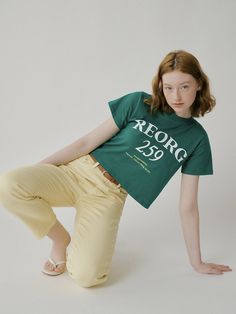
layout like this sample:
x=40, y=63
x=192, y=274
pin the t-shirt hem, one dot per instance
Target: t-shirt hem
x=133, y=195
x=198, y=174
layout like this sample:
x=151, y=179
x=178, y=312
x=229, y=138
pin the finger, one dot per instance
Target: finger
x=215, y=272
x=225, y=268
x=222, y=267
x=212, y=264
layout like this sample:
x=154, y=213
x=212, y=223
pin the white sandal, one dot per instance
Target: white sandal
x=55, y=264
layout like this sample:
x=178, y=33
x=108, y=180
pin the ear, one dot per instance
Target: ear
x=199, y=88
x=199, y=83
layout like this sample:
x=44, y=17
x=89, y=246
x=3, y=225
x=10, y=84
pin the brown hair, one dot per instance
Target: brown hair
x=185, y=62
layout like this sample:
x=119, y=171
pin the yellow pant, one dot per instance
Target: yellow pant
x=30, y=193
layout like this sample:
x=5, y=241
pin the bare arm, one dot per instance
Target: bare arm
x=85, y=144
x=189, y=214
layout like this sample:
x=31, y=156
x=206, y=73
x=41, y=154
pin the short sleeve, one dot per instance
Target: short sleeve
x=200, y=161
x=122, y=108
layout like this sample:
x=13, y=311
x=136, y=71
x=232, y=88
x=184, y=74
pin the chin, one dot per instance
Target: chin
x=182, y=112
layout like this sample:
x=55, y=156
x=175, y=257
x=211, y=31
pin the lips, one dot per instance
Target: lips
x=178, y=104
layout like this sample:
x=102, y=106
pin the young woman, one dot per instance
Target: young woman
x=135, y=151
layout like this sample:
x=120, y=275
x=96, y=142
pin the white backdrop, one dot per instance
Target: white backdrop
x=61, y=61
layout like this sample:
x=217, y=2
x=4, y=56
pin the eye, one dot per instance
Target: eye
x=185, y=86
x=167, y=87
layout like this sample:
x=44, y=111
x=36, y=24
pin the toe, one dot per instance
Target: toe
x=59, y=268
x=49, y=266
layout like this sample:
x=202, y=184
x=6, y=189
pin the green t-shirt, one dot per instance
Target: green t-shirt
x=149, y=149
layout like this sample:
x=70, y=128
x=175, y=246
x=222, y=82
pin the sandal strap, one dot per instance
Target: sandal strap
x=55, y=264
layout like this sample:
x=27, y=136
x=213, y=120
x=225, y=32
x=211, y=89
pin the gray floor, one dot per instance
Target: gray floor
x=150, y=271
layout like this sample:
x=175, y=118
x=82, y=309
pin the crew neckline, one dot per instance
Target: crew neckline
x=175, y=117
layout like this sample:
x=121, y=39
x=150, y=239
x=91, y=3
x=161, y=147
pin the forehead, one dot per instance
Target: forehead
x=176, y=77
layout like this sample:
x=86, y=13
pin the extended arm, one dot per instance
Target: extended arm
x=188, y=207
x=85, y=144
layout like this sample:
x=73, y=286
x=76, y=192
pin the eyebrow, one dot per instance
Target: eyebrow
x=179, y=84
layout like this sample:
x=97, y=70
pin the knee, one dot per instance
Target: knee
x=10, y=185
x=87, y=278
x=6, y=183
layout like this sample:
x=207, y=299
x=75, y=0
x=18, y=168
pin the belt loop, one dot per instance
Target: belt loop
x=96, y=164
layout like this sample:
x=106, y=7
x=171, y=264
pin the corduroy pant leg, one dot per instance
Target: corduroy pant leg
x=30, y=192
x=99, y=210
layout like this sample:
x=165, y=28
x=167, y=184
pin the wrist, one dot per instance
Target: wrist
x=196, y=264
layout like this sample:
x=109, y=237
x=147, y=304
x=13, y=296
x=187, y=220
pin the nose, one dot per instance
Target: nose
x=176, y=95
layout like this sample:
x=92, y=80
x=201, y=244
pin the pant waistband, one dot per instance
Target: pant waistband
x=104, y=172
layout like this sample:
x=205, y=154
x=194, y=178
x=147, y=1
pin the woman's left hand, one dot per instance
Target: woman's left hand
x=211, y=268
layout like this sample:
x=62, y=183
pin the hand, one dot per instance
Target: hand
x=210, y=268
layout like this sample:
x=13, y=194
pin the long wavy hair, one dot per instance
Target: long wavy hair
x=185, y=62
